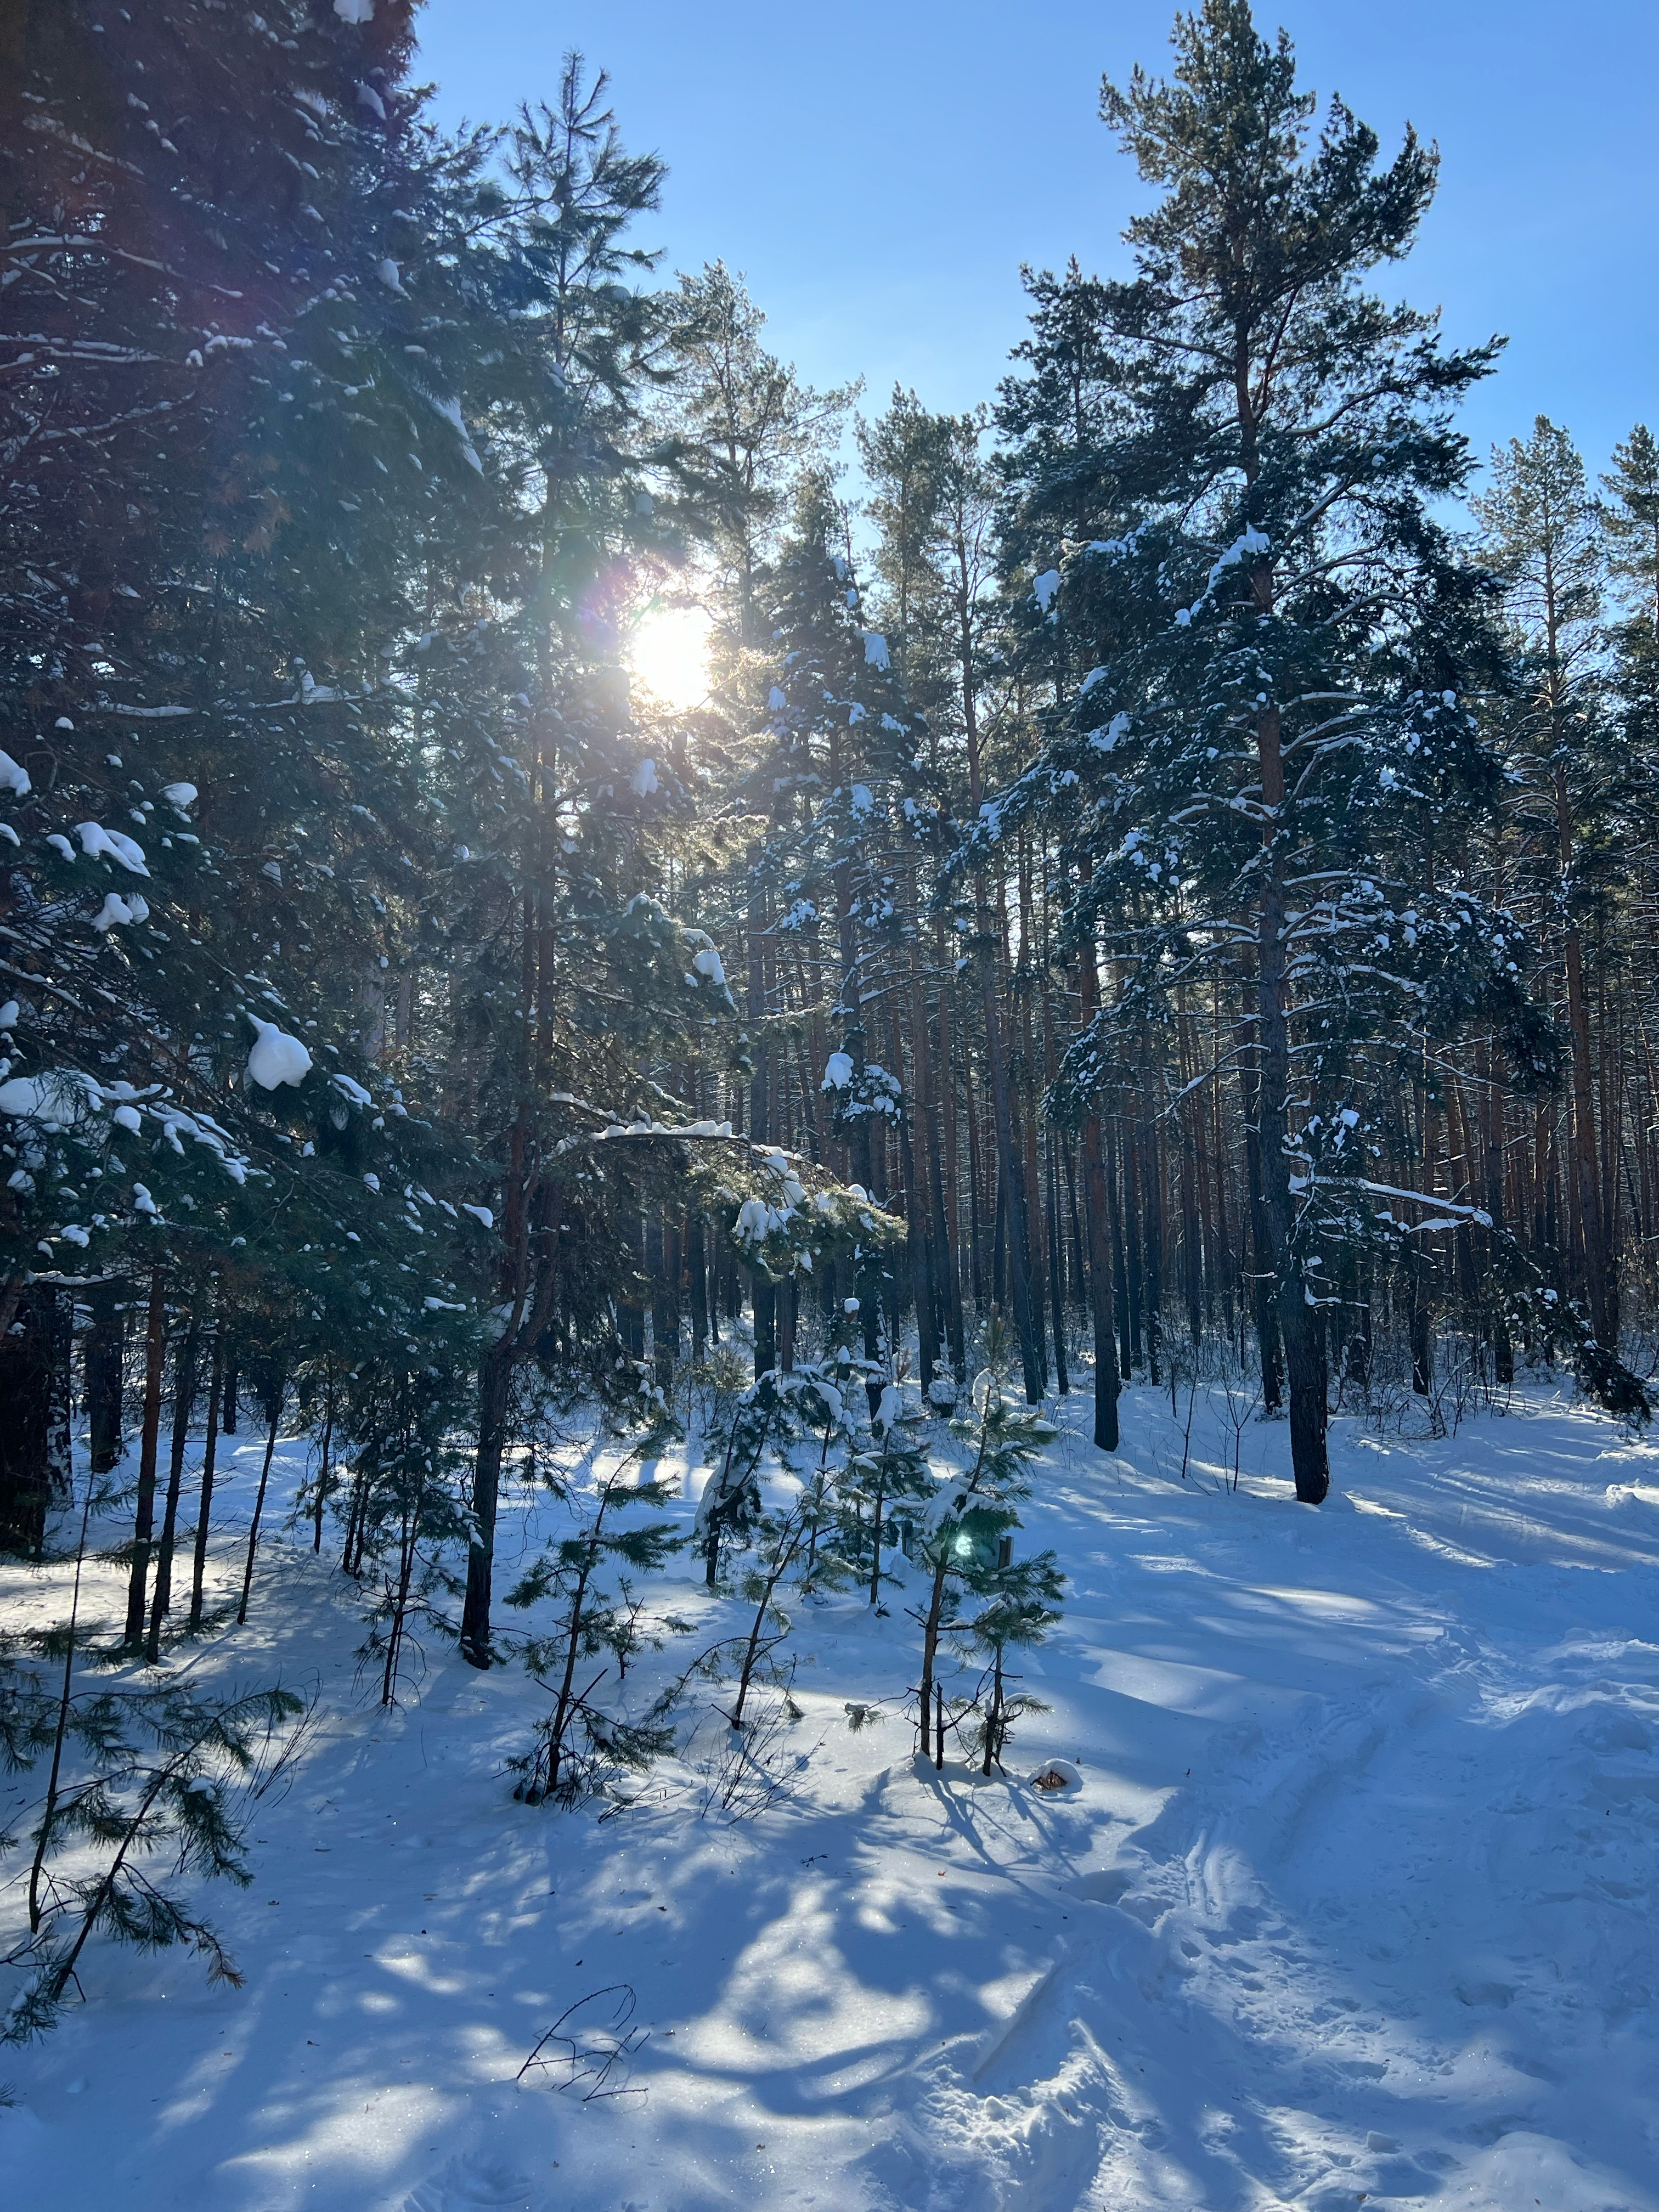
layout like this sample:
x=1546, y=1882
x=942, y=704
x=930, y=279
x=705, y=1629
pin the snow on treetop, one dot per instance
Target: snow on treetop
x=837, y=1072
x=180, y=795
x=14, y=777
x=875, y=649
x=1044, y=588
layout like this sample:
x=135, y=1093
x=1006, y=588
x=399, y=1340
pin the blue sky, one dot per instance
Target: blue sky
x=880, y=172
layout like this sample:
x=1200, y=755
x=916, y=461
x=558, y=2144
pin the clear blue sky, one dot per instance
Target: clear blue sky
x=879, y=171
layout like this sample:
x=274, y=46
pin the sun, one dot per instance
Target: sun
x=669, y=655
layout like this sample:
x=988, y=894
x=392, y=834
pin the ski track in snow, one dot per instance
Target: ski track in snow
x=1356, y=1904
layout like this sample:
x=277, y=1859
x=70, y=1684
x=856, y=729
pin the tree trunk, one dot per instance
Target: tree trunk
x=105, y=1356
x=199, y=1565
x=29, y=1395
x=495, y=1392
x=1095, y=1205
x=184, y=1405
x=143, y=1523
x=1009, y=1194
x=1302, y=1324
x=259, y=1502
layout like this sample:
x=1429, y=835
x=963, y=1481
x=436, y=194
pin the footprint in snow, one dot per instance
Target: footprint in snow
x=477, y=2183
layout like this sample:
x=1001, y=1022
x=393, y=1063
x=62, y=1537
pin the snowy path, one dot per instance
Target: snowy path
x=1356, y=1904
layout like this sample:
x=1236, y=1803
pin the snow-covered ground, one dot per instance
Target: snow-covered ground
x=1356, y=1904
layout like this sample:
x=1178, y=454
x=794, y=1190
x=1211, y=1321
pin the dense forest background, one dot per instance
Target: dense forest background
x=1157, y=861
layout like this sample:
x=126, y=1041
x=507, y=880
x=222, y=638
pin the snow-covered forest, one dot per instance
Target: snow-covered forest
x=829, y=1235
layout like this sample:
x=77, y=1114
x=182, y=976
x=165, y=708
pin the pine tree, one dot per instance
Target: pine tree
x=744, y=424
x=211, y=582
x=1544, y=537
x=1630, y=522
x=1270, y=738
x=965, y=1544
x=904, y=454
x=839, y=782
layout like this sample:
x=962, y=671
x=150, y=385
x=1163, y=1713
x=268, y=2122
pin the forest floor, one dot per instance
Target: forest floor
x=1356, y=1902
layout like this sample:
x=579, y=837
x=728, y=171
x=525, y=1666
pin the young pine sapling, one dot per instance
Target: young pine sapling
x=580, y=1744
x=961, y=1546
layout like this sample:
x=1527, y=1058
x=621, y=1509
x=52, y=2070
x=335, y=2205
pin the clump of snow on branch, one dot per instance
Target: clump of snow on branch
x=277, y=1057
x=98, y=843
